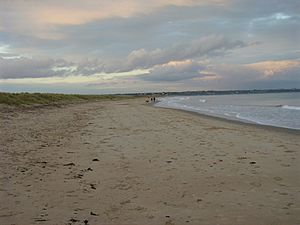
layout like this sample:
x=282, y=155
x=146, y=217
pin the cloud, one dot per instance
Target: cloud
x=250, y=75
x=174, y=71
x=156, y=42
x=157, y=61
x=154, y=24
x=26, y=67
x=222, y=76
x=208, y=46
x=271, y=69
x=172, y=76
x=44, y=16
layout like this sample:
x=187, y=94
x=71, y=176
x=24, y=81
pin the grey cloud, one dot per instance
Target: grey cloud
x=6, y=55
x=269, y=84
x=291, y=74
x=174, y=72
x=88, y=67
x=238, y=76
x=209, y=46
x=115, y=37
x=138, y=59
x=30, y=68
x=143, y=59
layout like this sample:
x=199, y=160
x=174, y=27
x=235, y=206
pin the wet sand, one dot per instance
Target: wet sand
x=124, y=162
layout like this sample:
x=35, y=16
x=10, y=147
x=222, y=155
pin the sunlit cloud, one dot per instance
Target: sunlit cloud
x=100, y=78
x=273, y=68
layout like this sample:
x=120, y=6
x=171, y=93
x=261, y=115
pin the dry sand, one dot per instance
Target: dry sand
x=123, y=162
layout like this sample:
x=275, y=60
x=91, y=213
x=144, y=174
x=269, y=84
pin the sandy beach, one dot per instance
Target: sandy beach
x=125, y=162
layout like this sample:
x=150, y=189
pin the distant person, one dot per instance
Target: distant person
x=154, y=99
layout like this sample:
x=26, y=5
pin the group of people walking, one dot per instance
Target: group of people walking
x=151, y=99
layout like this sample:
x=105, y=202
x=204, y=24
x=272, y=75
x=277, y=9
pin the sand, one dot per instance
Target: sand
x=125, y=162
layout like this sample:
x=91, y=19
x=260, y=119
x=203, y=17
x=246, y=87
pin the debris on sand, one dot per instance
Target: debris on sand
x=69, y=164
x=94, y=214
x=73, y=220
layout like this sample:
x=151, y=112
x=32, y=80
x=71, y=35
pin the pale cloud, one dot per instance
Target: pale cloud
x=207, y=75
x=273, y=68
x=267, y=74
x=42, y=18
x=4, y=49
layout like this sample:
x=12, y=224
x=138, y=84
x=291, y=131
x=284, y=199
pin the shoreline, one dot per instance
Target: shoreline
x=237, y=121
x=231, y=119
x=127, y=162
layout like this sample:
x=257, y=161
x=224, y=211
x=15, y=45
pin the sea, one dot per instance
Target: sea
x=273, y=109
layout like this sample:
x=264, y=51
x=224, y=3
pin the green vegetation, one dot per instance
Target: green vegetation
x=27, y=99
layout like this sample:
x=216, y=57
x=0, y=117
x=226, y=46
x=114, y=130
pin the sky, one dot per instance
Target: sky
x=127, y=46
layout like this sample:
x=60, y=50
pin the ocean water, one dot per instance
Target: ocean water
x=274, y=109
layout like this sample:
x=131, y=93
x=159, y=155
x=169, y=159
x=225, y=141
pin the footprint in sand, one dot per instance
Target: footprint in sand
x=283, y=193
x=94, y=214
x=285, y=165
x=277, y=178
x=73, y=220
x=169, y=222
x=255, y=184
x=289, y=151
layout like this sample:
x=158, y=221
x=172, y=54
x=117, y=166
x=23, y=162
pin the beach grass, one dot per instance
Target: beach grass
x=29, y=99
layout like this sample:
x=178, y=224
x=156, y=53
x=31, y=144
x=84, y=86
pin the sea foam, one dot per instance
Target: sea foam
x=290, y=107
